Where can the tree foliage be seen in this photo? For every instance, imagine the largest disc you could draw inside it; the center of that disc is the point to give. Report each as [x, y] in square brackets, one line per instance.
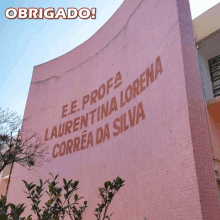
[107, 193]
[57, 206]
[62, 201]
[16, 146]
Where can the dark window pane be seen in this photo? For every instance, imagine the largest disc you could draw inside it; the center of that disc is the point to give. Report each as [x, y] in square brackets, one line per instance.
[214, 66]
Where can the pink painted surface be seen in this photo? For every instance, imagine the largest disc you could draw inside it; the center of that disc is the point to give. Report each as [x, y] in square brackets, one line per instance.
[214, 125]
[164, 155]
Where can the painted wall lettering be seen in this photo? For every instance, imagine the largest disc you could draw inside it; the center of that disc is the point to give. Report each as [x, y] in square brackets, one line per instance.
[121, 123]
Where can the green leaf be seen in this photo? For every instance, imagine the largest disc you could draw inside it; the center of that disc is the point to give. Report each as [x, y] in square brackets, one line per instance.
[64, 181]
[12, 206]
[106, 185]
[119, 180]
[31, 187]
[38, 189]
[75, 197]
[110, 195]
[100, 190]
[60, 190]
[26, 184]
[56, 176]
[76, 184]
[32, 192]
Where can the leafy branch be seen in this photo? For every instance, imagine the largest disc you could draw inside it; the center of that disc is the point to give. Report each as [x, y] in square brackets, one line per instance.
[107, 194]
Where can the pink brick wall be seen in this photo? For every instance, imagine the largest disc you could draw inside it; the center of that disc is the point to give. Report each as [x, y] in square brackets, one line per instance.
[164, 156]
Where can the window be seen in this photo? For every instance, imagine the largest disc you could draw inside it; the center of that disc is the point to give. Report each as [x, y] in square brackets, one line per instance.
[214, 67]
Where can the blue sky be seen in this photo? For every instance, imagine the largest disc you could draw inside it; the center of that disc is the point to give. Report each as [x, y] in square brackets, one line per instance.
[27, 43]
